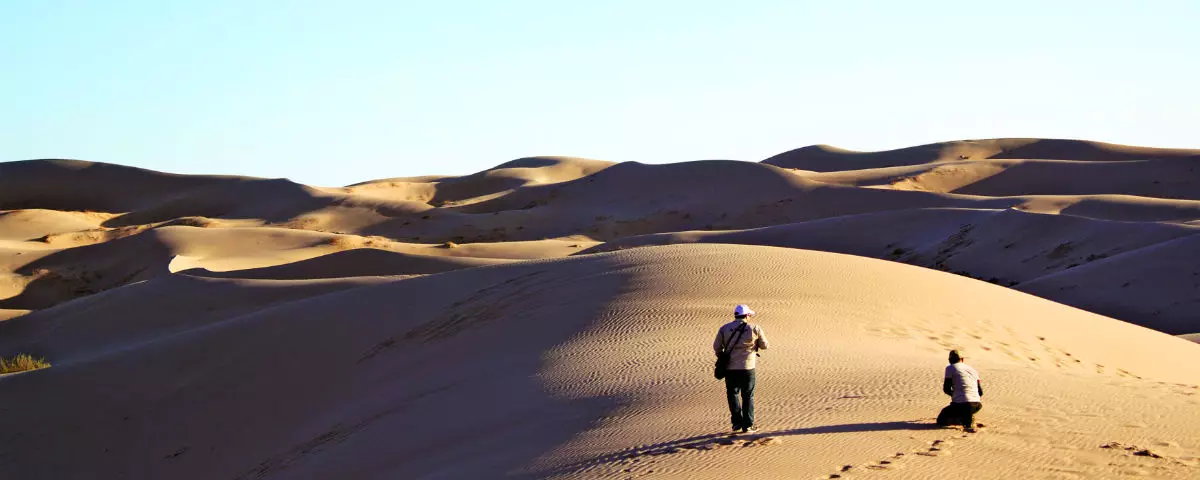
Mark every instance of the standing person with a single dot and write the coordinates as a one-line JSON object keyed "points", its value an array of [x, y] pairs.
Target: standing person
{"points": [[742, 340], [965, 389]]}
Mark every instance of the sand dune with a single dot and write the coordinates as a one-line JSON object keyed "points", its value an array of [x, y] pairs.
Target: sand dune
{"points": [[825, 158], [53, 276], [1162, 278], [510, 212], [353, 263], [550, 317], [1011, 248], [80, 185], [1175, 178], [37, 223], [491, 183], [607, 378], [42, 277]]}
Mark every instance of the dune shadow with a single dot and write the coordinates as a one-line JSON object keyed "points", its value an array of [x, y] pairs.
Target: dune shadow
{"points": [[717, 440]]}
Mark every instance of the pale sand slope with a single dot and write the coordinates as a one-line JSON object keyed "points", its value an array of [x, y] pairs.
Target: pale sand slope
{"points": [[491, 183], [1134, 269], [594, 366], [21, 225], [6, 314], [825, 158]]}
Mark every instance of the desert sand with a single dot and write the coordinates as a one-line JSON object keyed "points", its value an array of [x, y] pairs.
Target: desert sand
{"points": [[552, 317]]}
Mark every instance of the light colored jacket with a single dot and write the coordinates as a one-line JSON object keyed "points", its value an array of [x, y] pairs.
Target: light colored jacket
{"points": [[752, 339], [965, 382]]}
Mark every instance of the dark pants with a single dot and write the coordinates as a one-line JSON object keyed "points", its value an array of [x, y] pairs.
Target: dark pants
{"points": [[959, 414], [741, 414]]}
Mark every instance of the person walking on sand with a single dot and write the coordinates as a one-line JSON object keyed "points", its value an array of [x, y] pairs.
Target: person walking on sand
{"points": [[741, 340], [965, 389]]}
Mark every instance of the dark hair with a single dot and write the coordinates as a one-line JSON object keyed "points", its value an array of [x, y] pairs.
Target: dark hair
{"points": [[740, 317]]}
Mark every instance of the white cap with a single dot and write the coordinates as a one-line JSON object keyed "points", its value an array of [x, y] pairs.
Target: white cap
{"points": [[742, 310]]}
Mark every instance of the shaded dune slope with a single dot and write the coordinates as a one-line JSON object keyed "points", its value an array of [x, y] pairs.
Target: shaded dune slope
{"points": [[1157, 286], [81, 185], [593, 366]]}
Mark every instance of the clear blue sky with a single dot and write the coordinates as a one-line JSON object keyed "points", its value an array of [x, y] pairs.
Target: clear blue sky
{"points": [[335, 92]]}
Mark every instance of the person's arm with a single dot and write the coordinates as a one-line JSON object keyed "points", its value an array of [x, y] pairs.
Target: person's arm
{"points": [[948, 387], [761, 343], [717, 343]]}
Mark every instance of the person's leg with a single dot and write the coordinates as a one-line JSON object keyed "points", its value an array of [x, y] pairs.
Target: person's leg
{"points": [[732, 383], [748, 400], [947, 416], [968, 414]]}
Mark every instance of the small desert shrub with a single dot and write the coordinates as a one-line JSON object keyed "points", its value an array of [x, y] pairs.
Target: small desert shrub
{"points": [[21, 363]]}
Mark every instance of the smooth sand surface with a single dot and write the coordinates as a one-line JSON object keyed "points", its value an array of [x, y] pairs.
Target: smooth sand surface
{"points": [[552, 317]]}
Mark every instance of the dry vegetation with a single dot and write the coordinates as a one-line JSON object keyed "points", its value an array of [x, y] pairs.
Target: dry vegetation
{"points": [[22, 363]]}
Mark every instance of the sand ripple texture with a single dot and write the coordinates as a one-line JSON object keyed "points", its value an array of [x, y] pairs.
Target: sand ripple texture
{"points": [[594, 366]]}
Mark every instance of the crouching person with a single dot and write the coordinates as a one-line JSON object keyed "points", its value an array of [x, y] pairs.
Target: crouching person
{"points": [[965, 389]]}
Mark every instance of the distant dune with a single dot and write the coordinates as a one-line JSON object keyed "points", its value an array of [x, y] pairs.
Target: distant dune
{"points": [[551, 317], [363, 262], [825, 158]]}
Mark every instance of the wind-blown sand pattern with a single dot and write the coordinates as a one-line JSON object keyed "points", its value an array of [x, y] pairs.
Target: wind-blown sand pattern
{"points": [[552, 317]]}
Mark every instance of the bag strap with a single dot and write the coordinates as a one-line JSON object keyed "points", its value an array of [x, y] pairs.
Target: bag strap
{"points": [[740, 330]]}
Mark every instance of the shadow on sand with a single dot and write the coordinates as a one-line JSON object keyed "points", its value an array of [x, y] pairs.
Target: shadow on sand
{"points": [[715, 440]]}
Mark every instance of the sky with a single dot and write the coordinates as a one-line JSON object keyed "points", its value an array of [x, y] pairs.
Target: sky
{"points": [[333, 93]]}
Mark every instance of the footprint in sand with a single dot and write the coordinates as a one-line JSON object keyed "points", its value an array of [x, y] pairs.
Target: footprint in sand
{"points": [[883, 465], [890, 463], [937, 448]]}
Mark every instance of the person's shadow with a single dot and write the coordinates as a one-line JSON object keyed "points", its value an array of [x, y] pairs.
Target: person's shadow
{"points": [[715, 440]]}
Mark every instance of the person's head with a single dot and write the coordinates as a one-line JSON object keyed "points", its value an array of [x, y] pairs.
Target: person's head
{"points": [[956, 356], [740, 312]]}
